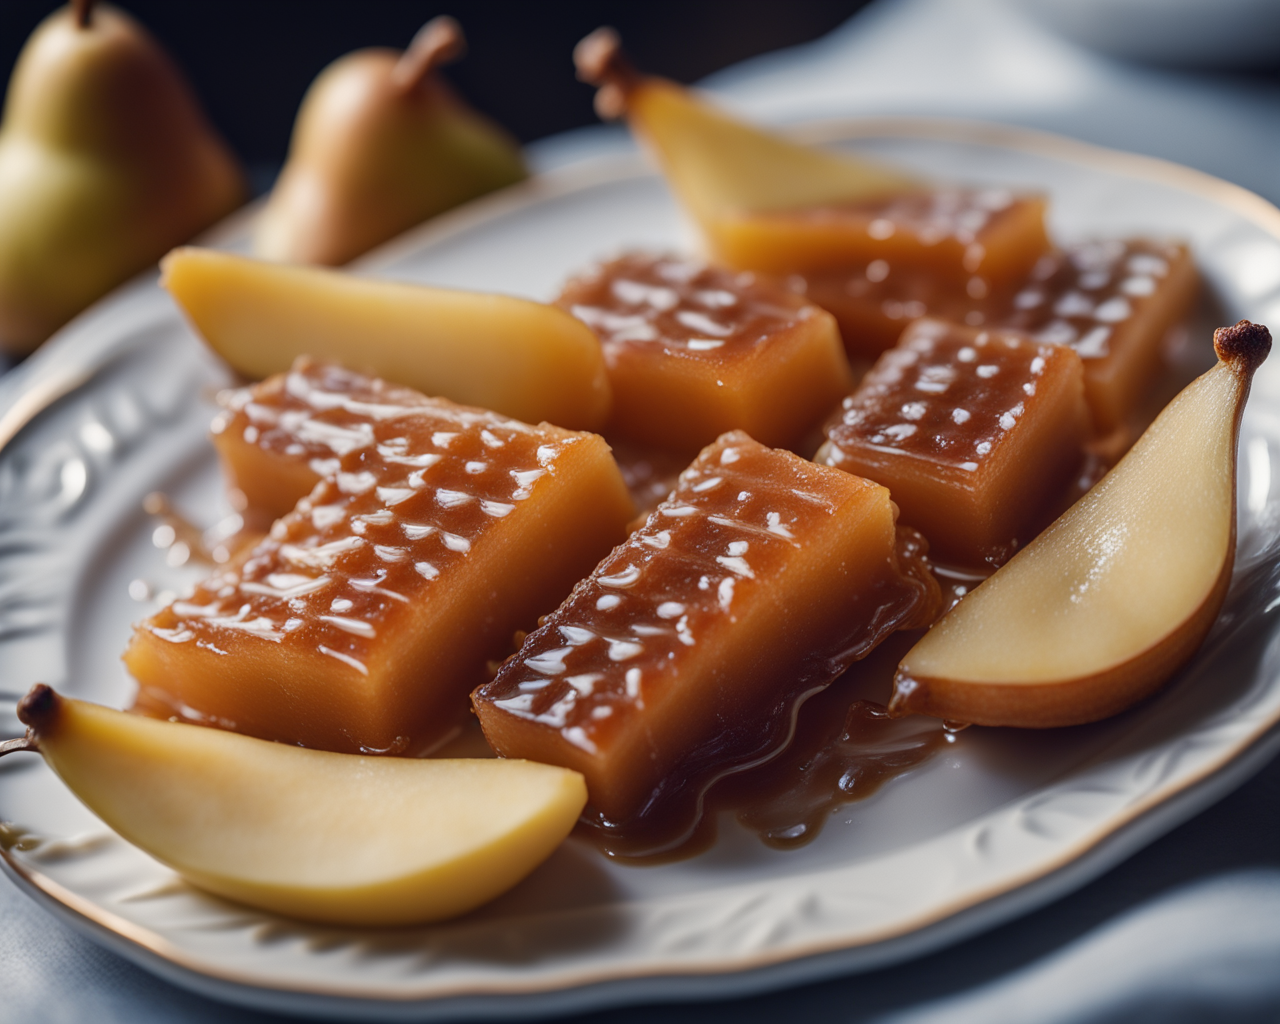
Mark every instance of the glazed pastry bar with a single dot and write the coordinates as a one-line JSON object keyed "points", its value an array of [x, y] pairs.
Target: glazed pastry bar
{"points": [[685, 652], [365, 617]]}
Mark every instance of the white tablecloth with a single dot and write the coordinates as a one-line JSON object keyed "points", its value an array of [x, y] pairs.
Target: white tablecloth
{"points": [[1188, 929]]}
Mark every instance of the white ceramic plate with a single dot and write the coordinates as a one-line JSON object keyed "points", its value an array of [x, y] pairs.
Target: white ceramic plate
{"points": [[1000, 822]]}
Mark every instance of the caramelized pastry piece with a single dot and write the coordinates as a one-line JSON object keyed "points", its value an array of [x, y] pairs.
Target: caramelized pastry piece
{"points": [[768, 204], [684, 655], [974, 241], [369, 612], [282, 436], [693, 351], [1113, 302], [973, 432], [874, 302]]}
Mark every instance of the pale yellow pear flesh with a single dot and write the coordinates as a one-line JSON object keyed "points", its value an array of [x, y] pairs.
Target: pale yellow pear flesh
{"points": [[106, 162], [370, 159], [1101, 608], [721, 167], [737, 181], [521, 358], [335, 838]]}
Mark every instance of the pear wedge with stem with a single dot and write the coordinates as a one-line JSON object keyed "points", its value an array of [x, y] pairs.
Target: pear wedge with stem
{"points": [[724, 170], [335, 838], [1116, 595]]}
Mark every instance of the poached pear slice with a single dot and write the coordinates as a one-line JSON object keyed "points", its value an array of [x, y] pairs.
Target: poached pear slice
{"points": [[336, 838], [1104, 606], [521, 358], [721, 167]]}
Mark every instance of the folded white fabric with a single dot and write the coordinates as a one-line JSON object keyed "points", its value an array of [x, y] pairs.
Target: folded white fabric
{"points": [[1206, 952], [49, 974]]}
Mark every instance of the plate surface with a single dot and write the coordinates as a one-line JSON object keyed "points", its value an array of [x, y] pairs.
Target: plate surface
{"points": [[998, 823]]}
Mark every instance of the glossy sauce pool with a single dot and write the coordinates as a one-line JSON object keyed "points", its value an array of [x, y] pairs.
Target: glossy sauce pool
{"points": [[844, 747]]}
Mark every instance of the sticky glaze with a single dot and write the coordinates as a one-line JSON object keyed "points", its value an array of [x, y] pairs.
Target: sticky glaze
{"points": [[684, 655], [679, 305], [972, 432], [416, 499], [694, 350]]}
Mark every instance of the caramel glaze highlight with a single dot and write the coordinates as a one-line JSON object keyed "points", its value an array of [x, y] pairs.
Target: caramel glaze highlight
{"points": [[814, 751], [843, 746]]}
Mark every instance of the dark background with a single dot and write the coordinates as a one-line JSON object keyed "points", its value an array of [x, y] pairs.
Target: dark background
{"points": [[250, 61]]}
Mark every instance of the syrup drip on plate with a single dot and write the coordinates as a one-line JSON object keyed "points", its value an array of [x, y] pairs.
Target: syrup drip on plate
{"points": [[844, 747]]}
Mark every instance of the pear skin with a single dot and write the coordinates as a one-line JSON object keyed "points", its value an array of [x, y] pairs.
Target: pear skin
{"points": [[1113, 598], [106, 163], [335, 838], [720, 168], [381, 143], [518, 357], [764, 203]]}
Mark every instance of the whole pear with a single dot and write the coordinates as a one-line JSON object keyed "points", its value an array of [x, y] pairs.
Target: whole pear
{"points": [[381, 143], [106, 162]]}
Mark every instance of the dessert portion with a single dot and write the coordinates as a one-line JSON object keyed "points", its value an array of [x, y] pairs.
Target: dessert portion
{"points": [[974, 432], [693, 351], [336, 838], [362, 621], [1113, 302], [685, 653], [281, 437], [974, 241], [520, 358], [766, 204], [1105, 605]]}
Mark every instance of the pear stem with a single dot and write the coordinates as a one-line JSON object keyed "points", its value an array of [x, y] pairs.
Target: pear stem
{"points": [[82, 10], [439, 42], [27, 742], [601, 61], [39, 706], [1242, 346]]}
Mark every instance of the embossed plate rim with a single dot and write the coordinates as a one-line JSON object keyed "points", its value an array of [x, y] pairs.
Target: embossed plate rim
{"points": [[1073, 863]]}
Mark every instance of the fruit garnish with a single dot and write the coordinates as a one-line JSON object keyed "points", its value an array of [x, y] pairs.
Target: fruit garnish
{"points": [[335, 838], [1105, 605], [518, 357]]}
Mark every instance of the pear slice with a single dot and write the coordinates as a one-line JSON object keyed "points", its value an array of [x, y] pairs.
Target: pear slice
{"points": [[1105, 605], [720, 167], [521, 358], [335, 838]]}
